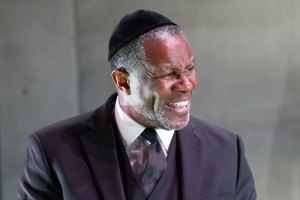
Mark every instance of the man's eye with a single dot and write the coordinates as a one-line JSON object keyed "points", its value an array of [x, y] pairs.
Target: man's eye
{"points": [[191, 68], [170, 75], [173, 74]]}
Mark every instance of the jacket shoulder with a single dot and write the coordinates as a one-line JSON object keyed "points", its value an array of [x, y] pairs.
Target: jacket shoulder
{"points": [[209, 131], [74, 125]]}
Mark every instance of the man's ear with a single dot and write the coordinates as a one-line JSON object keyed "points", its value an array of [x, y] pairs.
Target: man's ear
{"points": [[120, 78]]}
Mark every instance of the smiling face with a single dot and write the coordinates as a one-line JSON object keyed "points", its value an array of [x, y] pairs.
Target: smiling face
{"points": [[160, 92]]}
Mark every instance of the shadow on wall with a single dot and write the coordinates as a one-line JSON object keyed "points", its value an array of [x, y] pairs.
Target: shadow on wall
{"points": [[284, 182]]}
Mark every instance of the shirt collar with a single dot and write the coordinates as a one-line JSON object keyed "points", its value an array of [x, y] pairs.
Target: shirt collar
{"points": [[130, 129]]}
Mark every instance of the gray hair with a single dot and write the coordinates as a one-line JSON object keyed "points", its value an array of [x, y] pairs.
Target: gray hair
{"points": [[132, 56]]}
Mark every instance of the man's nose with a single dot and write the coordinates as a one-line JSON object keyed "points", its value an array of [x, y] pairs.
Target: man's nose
{"points": [[184, 83]]}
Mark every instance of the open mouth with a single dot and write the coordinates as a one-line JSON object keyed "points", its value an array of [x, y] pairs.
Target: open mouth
{"points": [[180, 106]]}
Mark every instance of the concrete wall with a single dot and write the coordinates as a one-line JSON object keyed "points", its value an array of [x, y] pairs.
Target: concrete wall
{"points": [[54, 65], [38, 75]]}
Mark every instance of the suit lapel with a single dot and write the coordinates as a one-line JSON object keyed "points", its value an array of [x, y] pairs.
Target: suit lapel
{"points": [[190, 162], [100, 152]]}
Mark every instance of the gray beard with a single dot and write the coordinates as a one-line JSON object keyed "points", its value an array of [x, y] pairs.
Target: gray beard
{"points": [[158, 119]]}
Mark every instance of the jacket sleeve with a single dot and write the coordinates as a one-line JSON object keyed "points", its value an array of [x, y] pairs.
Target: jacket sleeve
{"points": [[37, 179], [245, 189]]}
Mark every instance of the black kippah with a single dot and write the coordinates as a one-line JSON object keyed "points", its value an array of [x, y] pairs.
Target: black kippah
{"points": [[132, 26]]}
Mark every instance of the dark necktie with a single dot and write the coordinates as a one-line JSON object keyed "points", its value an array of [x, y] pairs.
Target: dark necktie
{"points": [[157, 162]]}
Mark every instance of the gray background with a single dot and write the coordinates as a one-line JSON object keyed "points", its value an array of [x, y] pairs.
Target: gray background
{"points": [[53, 66]]}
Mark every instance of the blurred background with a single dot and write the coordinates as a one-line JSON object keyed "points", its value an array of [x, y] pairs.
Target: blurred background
{"points": [[53, 65]]}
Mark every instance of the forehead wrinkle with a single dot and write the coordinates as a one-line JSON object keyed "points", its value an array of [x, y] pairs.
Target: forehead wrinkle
{"points": [[192, 59]]}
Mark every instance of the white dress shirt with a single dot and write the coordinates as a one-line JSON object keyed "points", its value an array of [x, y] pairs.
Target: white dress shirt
{"points": [[131, 130]]}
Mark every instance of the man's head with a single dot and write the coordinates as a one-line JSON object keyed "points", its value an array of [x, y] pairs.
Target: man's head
{"points": [[154, 73]]}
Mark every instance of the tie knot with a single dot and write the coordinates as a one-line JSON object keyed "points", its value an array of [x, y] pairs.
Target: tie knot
{"points": [[150, 135]]}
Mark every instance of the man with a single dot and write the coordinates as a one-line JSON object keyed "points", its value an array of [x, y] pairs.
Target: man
{"points": [[142, 143]]}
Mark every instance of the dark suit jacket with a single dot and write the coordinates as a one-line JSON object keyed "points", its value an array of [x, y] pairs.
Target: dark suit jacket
{"points": [[77, 159]]}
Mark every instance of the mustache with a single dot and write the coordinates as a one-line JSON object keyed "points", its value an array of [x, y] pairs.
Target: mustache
{"points": [[178, 97]]}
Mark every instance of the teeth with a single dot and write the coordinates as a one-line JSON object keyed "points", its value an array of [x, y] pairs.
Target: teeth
{"points": [[181, 103]]}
